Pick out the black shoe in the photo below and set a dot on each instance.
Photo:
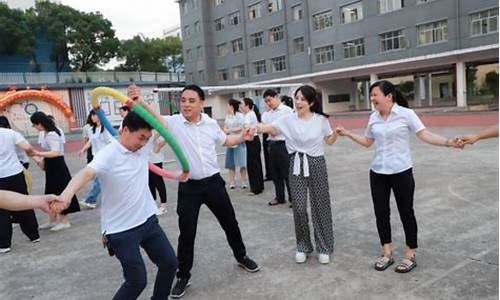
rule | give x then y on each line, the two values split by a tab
248	264
180	288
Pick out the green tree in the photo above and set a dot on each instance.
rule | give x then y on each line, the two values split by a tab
145	54
16	36
87	37
491	83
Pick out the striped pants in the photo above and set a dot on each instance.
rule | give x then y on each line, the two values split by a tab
321	212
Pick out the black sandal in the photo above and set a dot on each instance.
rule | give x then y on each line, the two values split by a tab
406	265
383	262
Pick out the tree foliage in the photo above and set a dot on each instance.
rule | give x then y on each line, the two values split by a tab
16	37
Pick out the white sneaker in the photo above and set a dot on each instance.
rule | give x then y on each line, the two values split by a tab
36	240
324	259
4	250
60	226
161	210
300	257
47	225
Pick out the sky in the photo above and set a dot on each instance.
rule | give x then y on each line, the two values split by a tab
149	17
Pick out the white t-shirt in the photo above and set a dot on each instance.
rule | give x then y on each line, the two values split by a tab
198	140
99	139
126	199
9	162
251	119
41	135
53	142
274	114
303	136
392	139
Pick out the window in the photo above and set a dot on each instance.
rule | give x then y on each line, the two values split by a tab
324	54
189	54
199	52
254	11
219	24
484	22
298	45
184	8
201	75
392	41
276	34
274	5
197	27
256	39
222	75
351	13
297	12
218	2
221	49
259	67
195	4
354	48
278	64
237	45
238	72
322	20
187	30
432	32
234	18
385	6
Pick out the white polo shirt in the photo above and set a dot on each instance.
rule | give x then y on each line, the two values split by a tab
392	139
99	139
198	141
303	136
126	199
41	135
9	163
53	142
274	114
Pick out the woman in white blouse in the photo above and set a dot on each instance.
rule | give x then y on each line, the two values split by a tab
389	128
306	131
236	156
57	174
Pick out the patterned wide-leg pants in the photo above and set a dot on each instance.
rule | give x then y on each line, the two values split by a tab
321	212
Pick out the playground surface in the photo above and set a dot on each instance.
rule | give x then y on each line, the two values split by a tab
456	205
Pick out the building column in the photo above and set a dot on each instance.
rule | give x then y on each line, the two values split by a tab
373	78
461	84
429	89
367	95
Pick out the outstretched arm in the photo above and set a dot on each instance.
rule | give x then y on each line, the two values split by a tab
486	133
134	92
15	201
360	139
437	140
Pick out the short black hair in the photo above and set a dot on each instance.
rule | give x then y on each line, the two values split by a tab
125	108
4	122
269	93
195	88
134	122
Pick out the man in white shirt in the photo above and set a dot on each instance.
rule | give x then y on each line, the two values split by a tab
278	155
128	213
198	135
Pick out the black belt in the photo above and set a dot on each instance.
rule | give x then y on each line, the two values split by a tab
203	180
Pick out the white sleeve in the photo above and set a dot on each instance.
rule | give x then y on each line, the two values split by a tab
17	137
281	124
414	122
100	162
220	136
326	129
368	131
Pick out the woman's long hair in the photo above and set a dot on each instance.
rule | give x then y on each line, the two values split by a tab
4	122
249	102
386	87
235	104
311	97
92	123
41	118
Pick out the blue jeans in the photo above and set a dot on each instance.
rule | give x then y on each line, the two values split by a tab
153	240
94	191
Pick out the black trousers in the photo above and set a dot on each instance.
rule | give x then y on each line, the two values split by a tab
403	186
156	183
280	163
26	218
210	191
265	149
254	166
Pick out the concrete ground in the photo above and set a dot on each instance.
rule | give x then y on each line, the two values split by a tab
456	204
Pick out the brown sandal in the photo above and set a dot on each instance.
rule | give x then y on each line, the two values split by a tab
406	265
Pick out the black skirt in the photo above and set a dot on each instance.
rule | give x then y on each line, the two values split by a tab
57	177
